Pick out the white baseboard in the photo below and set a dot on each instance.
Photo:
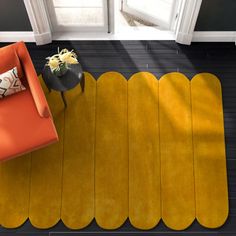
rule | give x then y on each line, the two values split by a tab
214	36
126	34
198	36
14	36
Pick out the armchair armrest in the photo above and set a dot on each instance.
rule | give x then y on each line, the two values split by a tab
32	79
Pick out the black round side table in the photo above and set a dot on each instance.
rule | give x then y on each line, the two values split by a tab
69	80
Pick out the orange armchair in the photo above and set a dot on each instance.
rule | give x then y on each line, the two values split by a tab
26	123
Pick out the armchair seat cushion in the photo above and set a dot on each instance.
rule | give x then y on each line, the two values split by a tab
16	138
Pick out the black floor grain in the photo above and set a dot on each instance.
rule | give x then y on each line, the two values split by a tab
158	57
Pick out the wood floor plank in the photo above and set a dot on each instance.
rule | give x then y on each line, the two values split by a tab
46	173
14	197
111	152
144	158
209	151
78	168
177	179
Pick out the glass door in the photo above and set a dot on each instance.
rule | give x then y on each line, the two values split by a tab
158	12
78	15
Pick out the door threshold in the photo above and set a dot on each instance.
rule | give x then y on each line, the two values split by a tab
146	33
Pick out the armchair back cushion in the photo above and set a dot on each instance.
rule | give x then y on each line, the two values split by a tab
9	59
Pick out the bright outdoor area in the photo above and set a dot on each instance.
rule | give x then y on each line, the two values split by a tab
130	16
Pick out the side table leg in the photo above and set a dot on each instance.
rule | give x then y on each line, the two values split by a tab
82	83
64	99
49	90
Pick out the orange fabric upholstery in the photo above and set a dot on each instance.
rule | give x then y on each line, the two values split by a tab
32	79
25	119
10	60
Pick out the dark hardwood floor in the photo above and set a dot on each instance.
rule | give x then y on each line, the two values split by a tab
158	57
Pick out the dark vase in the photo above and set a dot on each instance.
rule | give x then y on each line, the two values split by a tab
62	71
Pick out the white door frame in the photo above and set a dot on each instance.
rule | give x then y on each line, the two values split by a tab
186	21
187	17
36	10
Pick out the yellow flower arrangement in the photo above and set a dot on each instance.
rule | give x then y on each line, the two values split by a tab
68	56
58	63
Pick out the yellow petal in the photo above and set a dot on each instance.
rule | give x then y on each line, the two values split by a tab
72	60
53	63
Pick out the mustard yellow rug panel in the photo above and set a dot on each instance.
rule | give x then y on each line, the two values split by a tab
209	151
144	157
46	173
111	151
14	193
177	179
78	169
141	149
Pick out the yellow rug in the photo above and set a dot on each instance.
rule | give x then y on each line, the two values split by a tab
177	180
144	158
141	149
